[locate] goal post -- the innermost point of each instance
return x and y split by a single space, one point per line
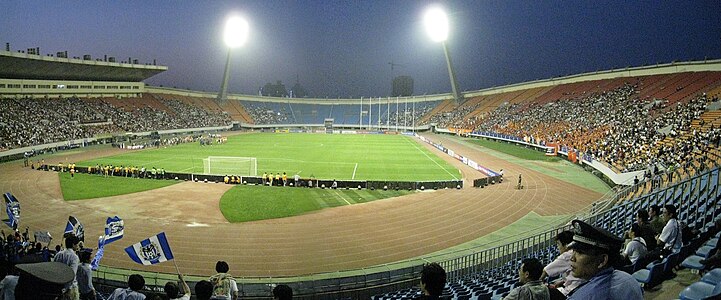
230 165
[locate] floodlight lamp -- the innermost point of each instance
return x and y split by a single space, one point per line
436 24
236 32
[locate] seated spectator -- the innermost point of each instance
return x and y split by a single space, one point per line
636 248
136 283
529 274
203 290
282 292
595 252
224 285
172 291
561 266
433 280
670 238
654 219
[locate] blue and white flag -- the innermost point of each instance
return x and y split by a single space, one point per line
151 251
99 254
75 227
12 207
114 228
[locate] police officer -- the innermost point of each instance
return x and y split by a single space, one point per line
595 252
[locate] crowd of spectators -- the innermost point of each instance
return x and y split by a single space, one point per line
405 114
29 122
264 113
455 118
614 126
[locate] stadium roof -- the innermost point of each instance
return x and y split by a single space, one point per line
27 66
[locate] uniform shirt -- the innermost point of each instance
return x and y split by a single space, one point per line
671 235
7 285
71 259
609 284
84 277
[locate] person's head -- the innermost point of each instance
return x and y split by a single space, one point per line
282 292
562 239
654 211
635 230
221 267
433 279
642 216
136 282
85 255
71 242
669 212
203 290
594 249
530 270
171 290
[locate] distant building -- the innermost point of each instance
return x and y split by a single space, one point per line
274 90
297 91
402 86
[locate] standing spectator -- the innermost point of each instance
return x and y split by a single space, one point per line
296 179
433 280
136 283
595 252
7 285
71 259
85 275
173 291
561 266
224 285
282 292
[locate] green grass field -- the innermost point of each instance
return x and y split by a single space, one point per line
247 203
360 157
515 150
84 186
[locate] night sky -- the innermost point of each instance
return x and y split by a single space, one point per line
343 48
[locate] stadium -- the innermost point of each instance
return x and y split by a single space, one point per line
372 189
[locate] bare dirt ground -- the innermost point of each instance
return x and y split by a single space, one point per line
342 238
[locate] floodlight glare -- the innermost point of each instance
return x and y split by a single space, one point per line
436 24
236 32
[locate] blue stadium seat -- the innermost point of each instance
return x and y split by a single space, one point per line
651 277
700 290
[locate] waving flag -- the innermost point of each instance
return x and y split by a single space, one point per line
114 228
99 254
75 227
151 251
12 207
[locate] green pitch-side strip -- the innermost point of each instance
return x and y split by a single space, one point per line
560 169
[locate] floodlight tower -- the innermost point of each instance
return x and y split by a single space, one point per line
235 35
437 27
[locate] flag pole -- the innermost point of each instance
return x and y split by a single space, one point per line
176 266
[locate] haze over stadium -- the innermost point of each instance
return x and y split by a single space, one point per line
342 48
559 116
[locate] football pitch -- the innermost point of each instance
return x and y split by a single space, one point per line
322 156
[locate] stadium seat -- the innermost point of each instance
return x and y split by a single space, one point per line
650 277
700 290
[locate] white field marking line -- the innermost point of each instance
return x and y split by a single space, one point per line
308 162
186 169
437 164
156 161
354 169
341 196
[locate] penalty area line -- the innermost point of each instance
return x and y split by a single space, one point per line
354 169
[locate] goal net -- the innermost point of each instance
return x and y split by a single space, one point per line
230 165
